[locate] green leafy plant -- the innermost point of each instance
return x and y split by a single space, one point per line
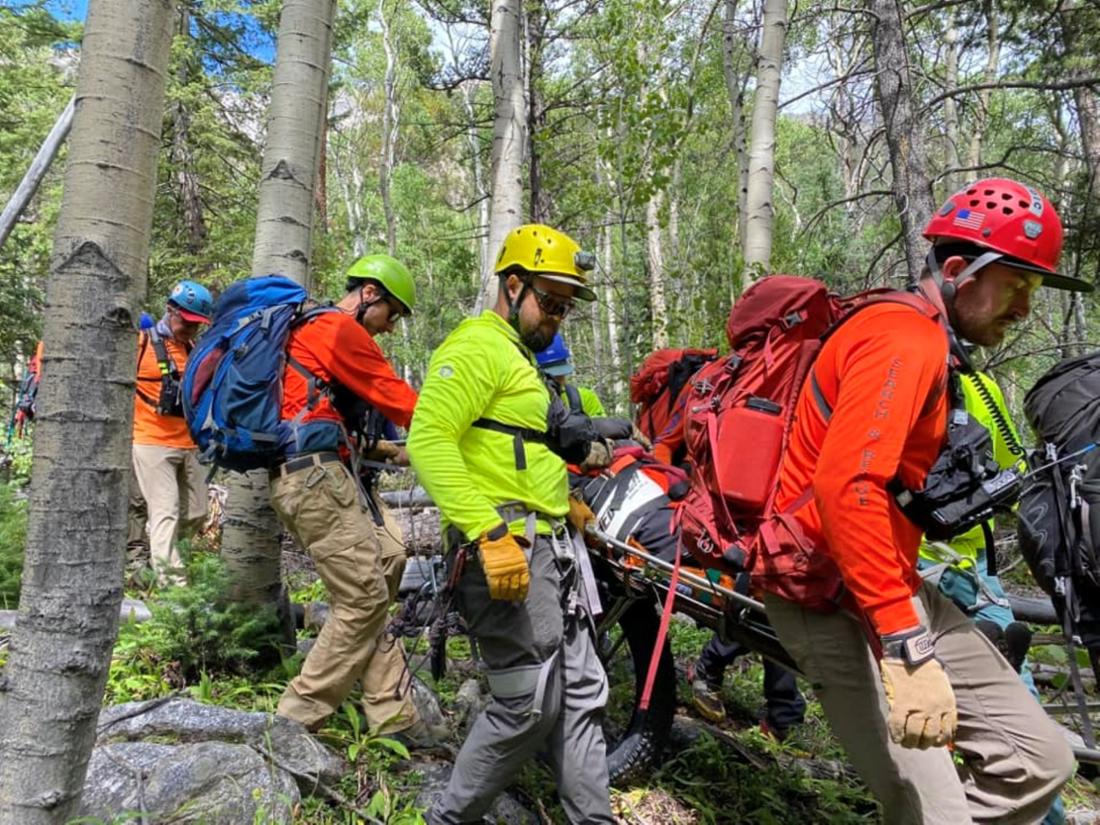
13 537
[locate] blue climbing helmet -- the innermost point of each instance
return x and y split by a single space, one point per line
554 360
193 300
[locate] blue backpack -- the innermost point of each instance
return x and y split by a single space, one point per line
233 384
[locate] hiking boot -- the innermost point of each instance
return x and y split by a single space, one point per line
708 701
421 736
775 734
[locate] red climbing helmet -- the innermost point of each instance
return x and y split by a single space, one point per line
1009 218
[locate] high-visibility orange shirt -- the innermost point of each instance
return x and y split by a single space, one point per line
334 348
884 374
149 426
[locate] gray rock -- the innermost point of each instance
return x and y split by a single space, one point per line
427 703
506 809
315 615
185 721
1085 817
205 782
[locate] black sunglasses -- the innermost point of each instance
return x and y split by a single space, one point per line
553 305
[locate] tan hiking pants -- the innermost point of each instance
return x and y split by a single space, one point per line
361 565
173 484
1014 758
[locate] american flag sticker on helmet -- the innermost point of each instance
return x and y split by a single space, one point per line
969 218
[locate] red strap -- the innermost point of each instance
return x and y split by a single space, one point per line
662 633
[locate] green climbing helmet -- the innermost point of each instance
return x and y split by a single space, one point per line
394 277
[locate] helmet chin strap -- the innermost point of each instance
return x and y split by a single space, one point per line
364 306
948 291
513 306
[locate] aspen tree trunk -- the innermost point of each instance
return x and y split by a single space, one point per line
904 137
284 225
1077 18
610 308
993 56
509 139
535 20
51 691
759 197
655 265
735 89
391 113
469 92
950 109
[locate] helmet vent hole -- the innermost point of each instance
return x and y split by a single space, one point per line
990 205
974 201
1024 204
971 191
1008 210
988 192
1006 196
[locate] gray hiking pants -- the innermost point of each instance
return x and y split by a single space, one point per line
1014 758
549 689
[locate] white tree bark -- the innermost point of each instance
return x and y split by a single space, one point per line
292 152
655 261
759 199
509 135
43 159
284 227
52 688
950 109
735 90
993 57
391 114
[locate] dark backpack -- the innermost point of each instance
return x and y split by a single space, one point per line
169 400
659 382
1059 513
738 416
233 384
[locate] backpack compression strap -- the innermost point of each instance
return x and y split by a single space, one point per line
573 397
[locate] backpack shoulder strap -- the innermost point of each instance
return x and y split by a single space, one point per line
573 396
164 360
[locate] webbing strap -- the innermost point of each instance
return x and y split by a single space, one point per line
519 435
662 634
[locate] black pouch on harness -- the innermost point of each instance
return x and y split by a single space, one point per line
965 485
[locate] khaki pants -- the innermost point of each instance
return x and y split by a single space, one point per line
173 484
361 566
1015 760
137 539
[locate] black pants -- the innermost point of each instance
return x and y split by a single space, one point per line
785 705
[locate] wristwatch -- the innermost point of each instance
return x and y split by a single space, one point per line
912 646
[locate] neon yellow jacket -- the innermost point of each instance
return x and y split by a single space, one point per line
970 543
590 402
483 371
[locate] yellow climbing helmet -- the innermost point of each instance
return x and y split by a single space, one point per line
548 253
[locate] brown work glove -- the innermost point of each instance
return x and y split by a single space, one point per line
504 563
390 453
599 455
580 514
922 703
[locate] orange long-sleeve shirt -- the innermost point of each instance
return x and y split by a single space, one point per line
334 348
884 374
150 427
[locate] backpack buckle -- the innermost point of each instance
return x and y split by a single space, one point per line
793 319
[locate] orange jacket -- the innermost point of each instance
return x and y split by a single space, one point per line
334 348
149 426
884 374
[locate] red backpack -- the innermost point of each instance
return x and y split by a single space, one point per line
658 383
738 416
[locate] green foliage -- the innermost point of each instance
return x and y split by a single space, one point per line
13 538
195 632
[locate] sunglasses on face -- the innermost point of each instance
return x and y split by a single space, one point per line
553 305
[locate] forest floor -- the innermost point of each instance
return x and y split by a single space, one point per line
727 773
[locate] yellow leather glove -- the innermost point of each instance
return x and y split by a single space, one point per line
580 515
504 563
921 701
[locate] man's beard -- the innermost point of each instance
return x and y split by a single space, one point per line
536 339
